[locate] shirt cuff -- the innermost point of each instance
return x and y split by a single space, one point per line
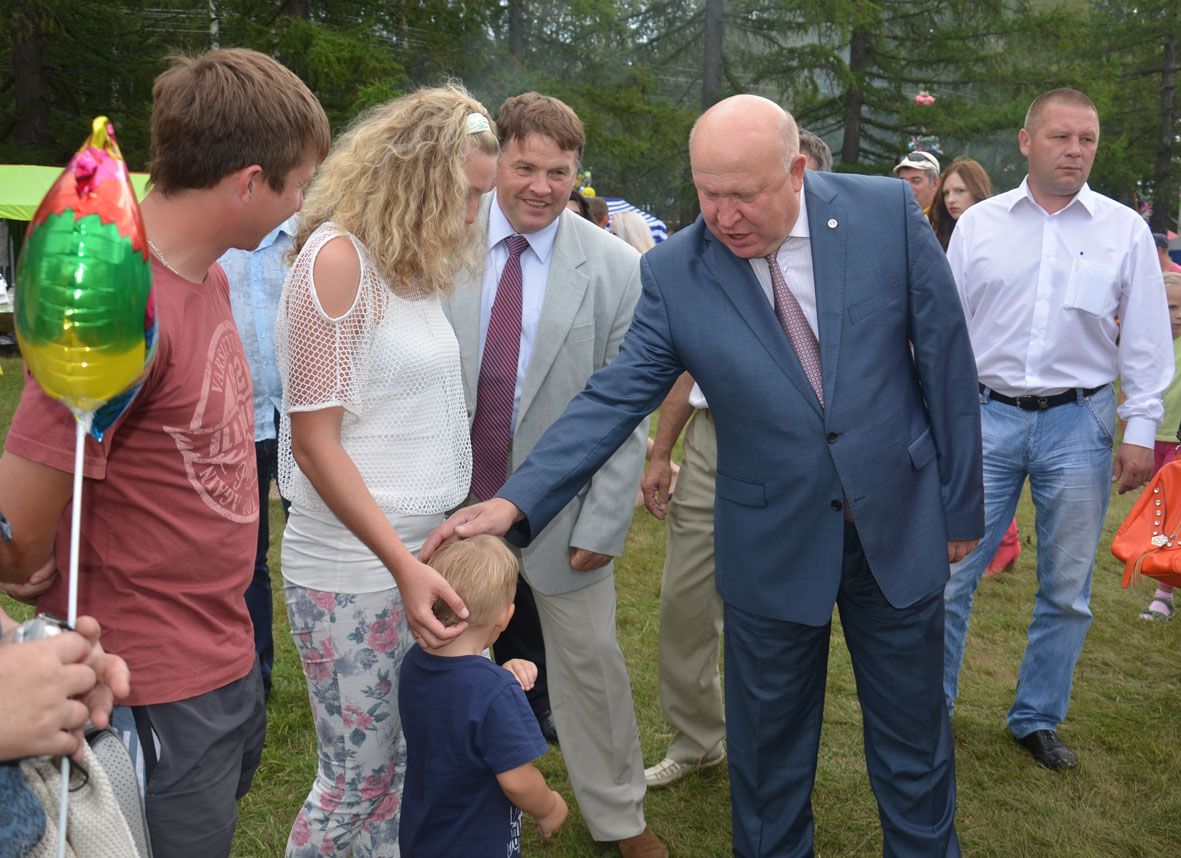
1140 431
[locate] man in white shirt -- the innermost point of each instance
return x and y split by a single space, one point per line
1044 273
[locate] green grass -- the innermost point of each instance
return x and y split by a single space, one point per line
1124 723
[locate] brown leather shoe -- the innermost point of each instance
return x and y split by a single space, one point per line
643 845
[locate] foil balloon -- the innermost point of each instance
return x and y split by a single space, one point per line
84 312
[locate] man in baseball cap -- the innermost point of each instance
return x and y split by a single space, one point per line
920 170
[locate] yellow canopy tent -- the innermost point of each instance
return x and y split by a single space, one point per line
22 186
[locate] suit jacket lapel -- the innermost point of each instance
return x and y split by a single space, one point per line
564 291
828 273
741 287
463 309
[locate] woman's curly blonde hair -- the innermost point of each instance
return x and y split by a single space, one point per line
397 180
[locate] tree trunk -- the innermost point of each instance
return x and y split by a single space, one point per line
711 66
298 9
214 26
516 30
28 75
1164 196
858 54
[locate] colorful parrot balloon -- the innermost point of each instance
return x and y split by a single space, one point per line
85 314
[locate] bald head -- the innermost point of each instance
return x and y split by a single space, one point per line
750 118
744 152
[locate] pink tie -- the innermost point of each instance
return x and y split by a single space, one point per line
795 325
492 425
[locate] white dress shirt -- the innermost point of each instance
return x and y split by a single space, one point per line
795 260
1042 293
535 263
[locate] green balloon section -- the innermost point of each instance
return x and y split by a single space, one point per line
81 296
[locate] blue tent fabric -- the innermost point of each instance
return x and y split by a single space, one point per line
658 227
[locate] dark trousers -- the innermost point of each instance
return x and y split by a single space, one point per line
775 677
522 639
210 748
258 594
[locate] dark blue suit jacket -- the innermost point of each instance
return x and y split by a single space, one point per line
899 434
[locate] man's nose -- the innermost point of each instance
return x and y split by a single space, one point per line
728 215
539 185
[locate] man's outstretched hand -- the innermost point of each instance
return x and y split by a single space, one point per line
493 516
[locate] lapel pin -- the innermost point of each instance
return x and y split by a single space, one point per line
832 223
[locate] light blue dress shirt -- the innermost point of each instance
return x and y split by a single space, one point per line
535 264
256 282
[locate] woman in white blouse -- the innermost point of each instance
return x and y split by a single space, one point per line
374 444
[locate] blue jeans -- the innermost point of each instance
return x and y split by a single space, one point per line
258 593
1066 453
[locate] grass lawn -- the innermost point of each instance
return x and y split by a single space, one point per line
1124 723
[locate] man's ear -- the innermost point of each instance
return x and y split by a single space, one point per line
245 182
1023 142
796 170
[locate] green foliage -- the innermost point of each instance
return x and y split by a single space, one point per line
847 69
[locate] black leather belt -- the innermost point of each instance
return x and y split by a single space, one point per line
1033 402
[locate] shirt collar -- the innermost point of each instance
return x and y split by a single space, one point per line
1085 198
287 227
800 229
541 242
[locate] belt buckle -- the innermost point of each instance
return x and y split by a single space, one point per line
1033 403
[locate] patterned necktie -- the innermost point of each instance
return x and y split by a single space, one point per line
795 325
492 425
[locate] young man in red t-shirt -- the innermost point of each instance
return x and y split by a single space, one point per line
171 500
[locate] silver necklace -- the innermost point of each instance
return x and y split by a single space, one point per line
163 261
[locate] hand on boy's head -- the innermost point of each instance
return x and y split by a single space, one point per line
524 671
420 587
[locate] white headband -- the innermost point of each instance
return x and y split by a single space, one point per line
477 123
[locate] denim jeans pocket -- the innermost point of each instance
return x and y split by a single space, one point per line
1103 423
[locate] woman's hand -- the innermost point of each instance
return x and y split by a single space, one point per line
421 586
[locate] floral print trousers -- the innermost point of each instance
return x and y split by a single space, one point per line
351 646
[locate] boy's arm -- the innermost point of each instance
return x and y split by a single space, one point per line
32 498
524 671
525 787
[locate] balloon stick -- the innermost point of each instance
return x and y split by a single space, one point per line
82 422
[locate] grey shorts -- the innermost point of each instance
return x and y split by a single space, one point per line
198 758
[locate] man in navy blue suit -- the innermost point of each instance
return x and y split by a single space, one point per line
821 321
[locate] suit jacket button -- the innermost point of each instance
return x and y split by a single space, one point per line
837 505
832 437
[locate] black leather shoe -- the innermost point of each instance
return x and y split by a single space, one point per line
548 729
1045 747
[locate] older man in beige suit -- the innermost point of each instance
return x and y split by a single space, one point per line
549 308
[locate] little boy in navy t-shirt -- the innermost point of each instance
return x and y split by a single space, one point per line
471 737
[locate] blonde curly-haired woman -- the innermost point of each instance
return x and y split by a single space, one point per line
374 445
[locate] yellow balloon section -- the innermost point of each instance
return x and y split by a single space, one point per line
87 297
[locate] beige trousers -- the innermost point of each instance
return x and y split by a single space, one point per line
591 701
690 609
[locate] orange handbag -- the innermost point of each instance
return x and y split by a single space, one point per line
1149 540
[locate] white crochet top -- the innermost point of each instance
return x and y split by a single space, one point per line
392 363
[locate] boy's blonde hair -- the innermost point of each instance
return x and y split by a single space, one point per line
483 570
1172 279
